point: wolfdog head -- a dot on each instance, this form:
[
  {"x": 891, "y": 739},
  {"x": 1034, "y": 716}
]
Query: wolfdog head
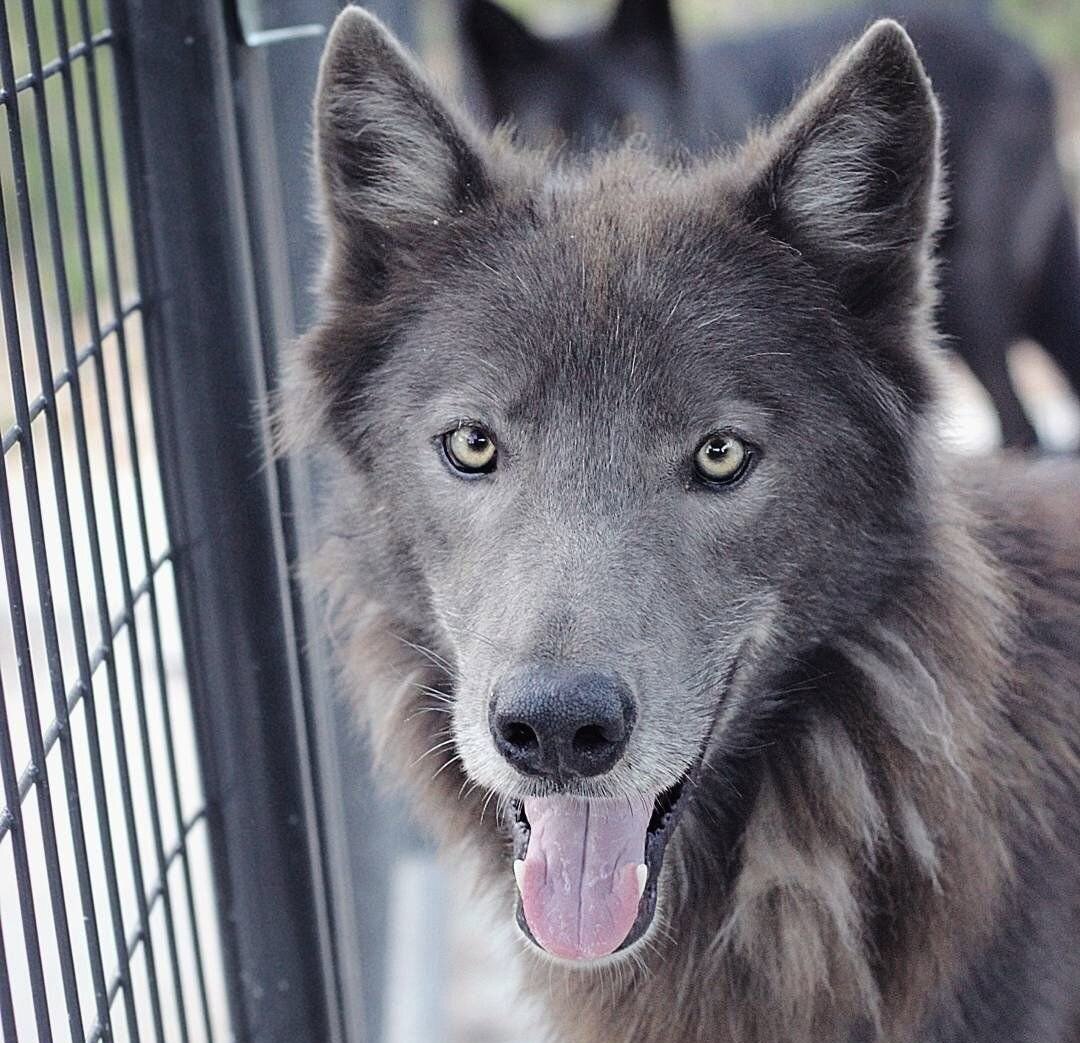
[{"x": 622, "y": 444}]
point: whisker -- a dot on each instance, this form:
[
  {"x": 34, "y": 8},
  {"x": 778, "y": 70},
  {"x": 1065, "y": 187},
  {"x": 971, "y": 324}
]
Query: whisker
[
  {"x": 433, "y": 693},
  {"x": 487, "y": 801},
  {"x": 427, "y": 709},
  {"x": 427, "y": 753},
  {"x": 428, "y": 653},
  {"x": 455, "y": 759}
]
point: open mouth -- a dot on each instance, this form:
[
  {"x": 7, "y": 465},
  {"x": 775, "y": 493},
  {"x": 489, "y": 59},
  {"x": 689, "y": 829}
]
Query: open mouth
[{"x": 588, "y": 869}]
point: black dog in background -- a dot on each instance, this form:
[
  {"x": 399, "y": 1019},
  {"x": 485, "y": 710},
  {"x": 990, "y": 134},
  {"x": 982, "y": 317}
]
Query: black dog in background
[{"x": 1011, "y": 259}]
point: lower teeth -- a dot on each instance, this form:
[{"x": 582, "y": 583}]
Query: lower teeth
[{"x": 642, "y": 878}]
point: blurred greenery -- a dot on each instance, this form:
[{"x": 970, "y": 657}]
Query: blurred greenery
[{"x": 1051, "y": 26}]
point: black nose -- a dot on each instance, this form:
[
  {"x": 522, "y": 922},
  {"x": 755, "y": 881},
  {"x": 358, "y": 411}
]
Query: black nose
[{"x": 561, "y": 722}]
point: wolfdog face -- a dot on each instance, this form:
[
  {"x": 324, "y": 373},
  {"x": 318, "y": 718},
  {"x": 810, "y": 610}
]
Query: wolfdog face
[{"x": 624, "y": 441}]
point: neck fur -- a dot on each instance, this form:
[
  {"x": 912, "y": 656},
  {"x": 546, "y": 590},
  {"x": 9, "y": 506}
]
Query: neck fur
[{"x": 870, "y": 861}]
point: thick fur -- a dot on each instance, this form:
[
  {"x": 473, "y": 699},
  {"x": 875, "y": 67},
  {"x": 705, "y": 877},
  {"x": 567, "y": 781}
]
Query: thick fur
[
  {"x": 1011, "y": 255},
  {"x": 878, "y": 647}
]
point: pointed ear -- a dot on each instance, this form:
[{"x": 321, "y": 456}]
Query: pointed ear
[
  {"x": 850, "y": 177},
  {"x": 501, "y": 46},
  {"x": 643, "y": 22},
  {"x": 392, "y": 154}
]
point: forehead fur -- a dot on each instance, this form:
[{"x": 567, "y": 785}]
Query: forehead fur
[
  {"x": 814, "y": 237},
  {"x": 622, "y": 277}
]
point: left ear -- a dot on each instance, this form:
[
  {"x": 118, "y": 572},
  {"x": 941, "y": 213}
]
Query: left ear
[
  {"x": 850, "y": 177},
  {"x": 393, "y": 155}
]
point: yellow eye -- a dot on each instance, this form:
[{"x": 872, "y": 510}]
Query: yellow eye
[
  {"x": 721, "y": 459},
  {"x": 470, "y": 448}
]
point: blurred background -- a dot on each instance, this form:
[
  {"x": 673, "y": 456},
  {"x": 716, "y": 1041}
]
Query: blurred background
[{"x": 88, "y": 568}]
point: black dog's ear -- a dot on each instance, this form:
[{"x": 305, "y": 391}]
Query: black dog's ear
[
  {"x": 393, "y": 156},
  {"x": 502, "y": 47},
  {"x": 643, "y": 22},
  {"x": 850, "y": 176}
]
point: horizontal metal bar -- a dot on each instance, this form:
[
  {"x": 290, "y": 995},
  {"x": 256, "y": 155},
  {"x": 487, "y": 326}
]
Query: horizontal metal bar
[
  {"x": 125, "y": 618},
  {"x": 153, "y": 896},
  {"x": 50, "y": 69},
  {"x": 269, "y": 37},
  {"x": 252, "y": 17},
  {"x": 15, "y": 433},
  {"x": 12, "y": 435},
  {"x": 62, "y": 379}
]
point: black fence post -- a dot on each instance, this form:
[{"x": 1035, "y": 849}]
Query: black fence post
[{"x": 192, "y": 233}]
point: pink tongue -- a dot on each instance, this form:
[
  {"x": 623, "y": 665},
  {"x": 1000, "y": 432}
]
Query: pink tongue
[{"x": 580, "y": 888}]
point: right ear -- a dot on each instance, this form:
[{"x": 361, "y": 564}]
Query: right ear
[
  {"x": 393, "y": 157},
  {"x": 850, "y": 176},
  {"x": 500, "y": 44}
]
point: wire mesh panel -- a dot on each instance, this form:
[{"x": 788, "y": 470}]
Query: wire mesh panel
[
  {"x": 107, "y": 916},
  {"x": 182, "y": 71}
]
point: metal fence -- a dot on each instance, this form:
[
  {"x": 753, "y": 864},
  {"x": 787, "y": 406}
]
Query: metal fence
[
  {"x": 165, "y": 867},
  {"x": 103, "y": 934}
]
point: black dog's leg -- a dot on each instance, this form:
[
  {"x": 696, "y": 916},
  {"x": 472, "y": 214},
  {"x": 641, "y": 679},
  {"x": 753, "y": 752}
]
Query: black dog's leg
[
  {"x": 978, "y": 319},
  {"x": 988, "y": 363},
  {"x": 1054, "y": 318}
]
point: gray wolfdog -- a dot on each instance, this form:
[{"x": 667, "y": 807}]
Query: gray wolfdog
[
  {"x": 1011, "y": 260},
  {"x": 641, "y": 532}
]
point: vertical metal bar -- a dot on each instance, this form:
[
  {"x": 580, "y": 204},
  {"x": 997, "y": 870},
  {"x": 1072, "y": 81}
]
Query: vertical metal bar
[
  {"x": 86, "y": 257},
  {"x": 118, "y": 729},
  {"x": 7, "y": 1005},
  {"x": 261, "y": 164},
  {"x": 189, "y": 209},
  {"x": 23, "y": 884}
]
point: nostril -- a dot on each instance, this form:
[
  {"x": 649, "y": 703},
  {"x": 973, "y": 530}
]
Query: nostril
[
  {"x": 520, "y": 736},
  {"x": 561, "y": 722},
  {"x": 591, "y": 739}
]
